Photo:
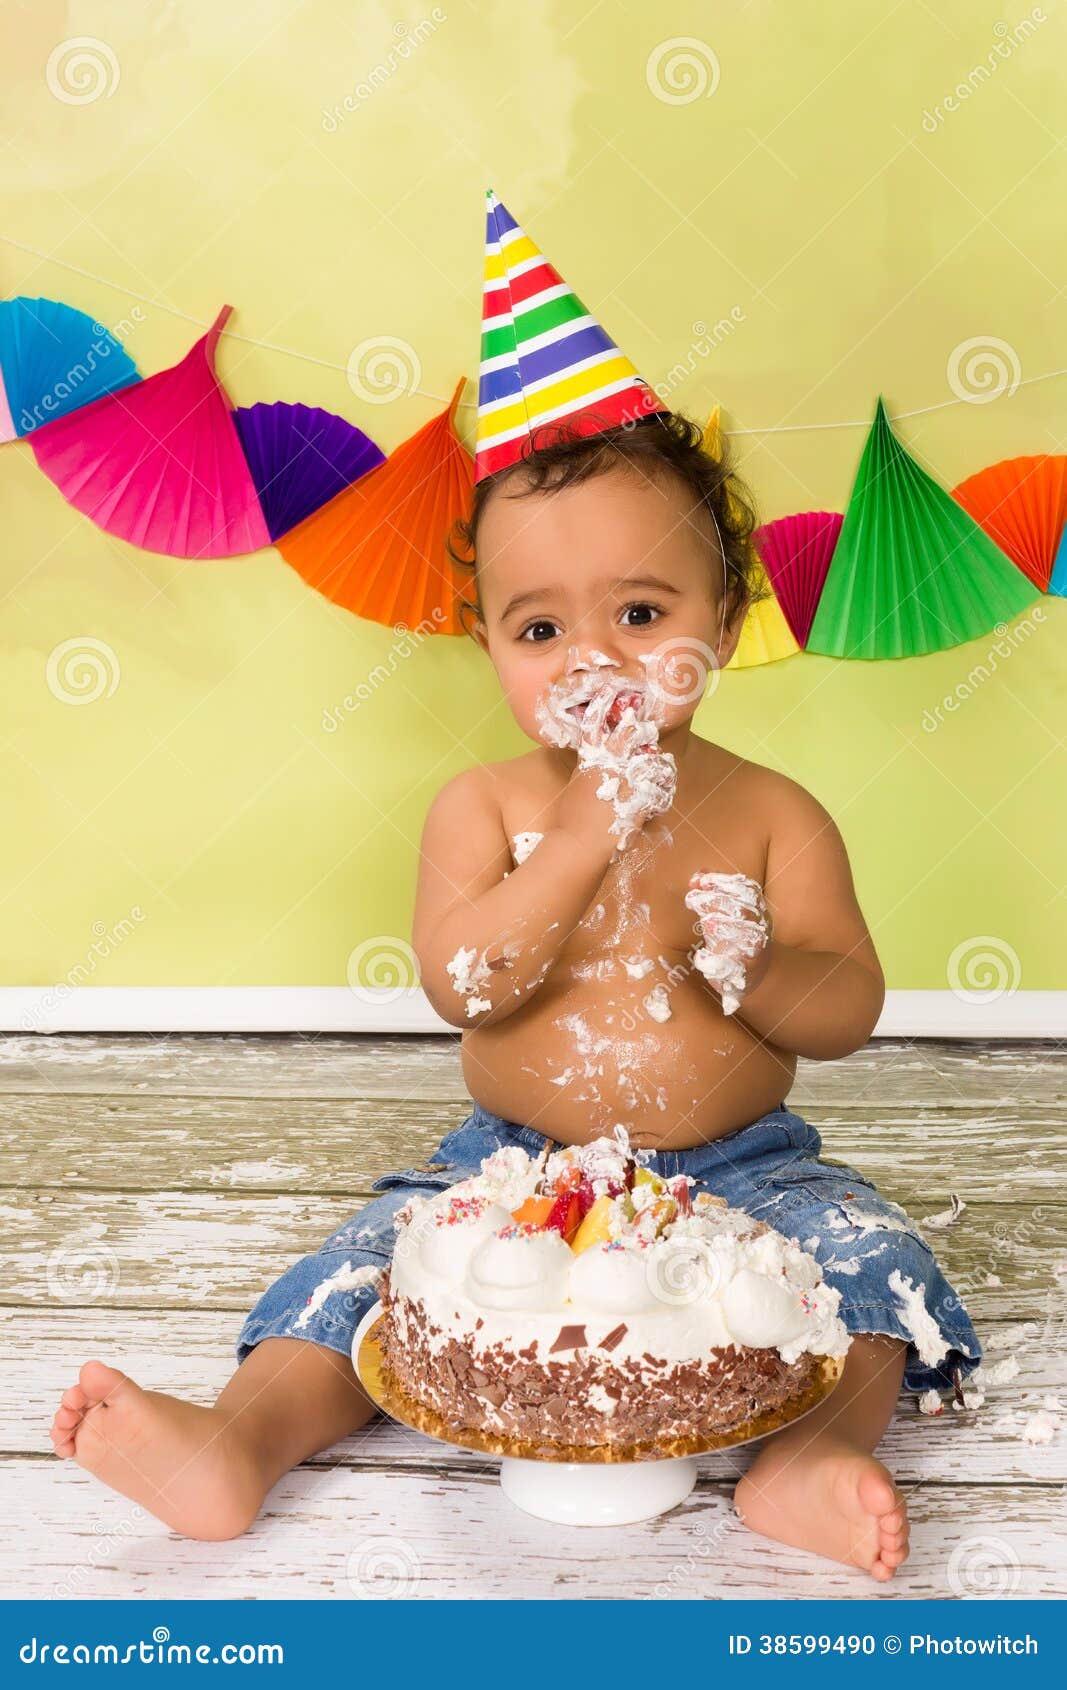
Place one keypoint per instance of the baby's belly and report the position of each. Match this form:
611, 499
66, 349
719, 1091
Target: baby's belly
585, 1053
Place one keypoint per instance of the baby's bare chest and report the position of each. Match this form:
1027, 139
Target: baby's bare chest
641, 898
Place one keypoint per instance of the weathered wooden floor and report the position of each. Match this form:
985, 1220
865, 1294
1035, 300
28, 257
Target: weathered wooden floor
153, 1185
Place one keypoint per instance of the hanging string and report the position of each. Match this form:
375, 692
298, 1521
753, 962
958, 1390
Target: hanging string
471, 404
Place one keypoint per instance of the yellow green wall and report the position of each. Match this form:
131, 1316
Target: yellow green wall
856, 245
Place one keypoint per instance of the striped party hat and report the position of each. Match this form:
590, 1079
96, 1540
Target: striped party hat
544, 358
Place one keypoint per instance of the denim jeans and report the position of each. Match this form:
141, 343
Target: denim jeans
770, 1169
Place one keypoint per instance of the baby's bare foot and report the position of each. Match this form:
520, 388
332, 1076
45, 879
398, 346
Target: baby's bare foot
831, 1498
183, 1463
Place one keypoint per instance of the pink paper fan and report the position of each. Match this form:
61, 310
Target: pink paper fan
7, 426
796, 551
160, 464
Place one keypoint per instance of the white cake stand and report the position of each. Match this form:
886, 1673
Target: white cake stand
599, 1486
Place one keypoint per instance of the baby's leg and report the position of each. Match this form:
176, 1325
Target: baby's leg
206, 1471
817, 1484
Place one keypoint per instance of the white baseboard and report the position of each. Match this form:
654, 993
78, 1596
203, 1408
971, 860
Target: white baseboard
336, 1009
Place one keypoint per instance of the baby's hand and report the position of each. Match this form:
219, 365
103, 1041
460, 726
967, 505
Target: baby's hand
620, 738
735, 926
609, 720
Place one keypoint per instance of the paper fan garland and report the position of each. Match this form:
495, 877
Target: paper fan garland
54, 360
378, 548
1021, 504
796, 553
765, 633
161, 464
7, 426
300, 458
712, 441
912, 572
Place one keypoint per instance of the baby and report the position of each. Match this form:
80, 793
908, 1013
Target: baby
631, 925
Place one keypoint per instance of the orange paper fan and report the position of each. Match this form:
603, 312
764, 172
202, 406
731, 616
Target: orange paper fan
378, 548
1022, 505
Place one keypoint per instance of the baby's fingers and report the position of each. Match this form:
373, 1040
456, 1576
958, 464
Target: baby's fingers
724, 934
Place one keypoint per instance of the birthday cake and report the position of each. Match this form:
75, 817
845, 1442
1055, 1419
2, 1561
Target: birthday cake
578, 1298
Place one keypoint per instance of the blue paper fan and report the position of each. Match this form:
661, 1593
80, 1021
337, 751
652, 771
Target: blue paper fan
301, 457
55, 360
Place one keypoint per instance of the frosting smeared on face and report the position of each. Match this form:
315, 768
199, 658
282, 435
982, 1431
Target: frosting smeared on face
610, 720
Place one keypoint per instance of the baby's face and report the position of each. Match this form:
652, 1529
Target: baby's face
601, 576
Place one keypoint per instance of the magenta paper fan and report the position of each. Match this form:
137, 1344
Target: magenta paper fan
796, 551
160, 464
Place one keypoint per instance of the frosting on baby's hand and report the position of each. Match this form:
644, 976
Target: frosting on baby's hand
735, 925
609, 720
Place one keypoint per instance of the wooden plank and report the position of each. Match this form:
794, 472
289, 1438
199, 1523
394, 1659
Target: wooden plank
964, 1074
191, 1355
397, 1532
316, 1145
173, 1249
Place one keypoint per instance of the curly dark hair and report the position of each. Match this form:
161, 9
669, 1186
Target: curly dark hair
665, 442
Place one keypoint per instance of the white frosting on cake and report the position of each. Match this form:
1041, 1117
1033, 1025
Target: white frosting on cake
705, 1281
610, 1279
515, 1269
449, 1232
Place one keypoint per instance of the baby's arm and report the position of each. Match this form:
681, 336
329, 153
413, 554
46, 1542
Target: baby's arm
485, 943
816, 986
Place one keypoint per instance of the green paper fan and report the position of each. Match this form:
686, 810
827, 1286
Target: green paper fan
911, 571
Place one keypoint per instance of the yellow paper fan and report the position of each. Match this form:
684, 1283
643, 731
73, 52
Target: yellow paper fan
765, 633
710, 441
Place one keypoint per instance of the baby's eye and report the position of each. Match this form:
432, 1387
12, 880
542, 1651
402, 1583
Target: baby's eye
543, 623
642, 606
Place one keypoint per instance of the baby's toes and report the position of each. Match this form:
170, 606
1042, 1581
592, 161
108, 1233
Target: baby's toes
893, 1544
895, 1523
64, 1426
68, 1417
75, 1397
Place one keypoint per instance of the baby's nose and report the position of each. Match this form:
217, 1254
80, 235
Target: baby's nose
581, 659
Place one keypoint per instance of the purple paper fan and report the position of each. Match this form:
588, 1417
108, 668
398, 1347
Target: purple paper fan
299, 458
